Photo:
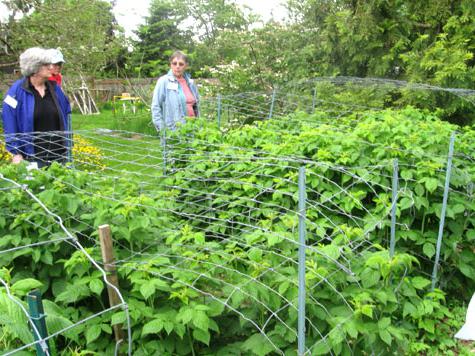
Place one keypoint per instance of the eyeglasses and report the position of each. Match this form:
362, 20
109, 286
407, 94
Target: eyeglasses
179, 64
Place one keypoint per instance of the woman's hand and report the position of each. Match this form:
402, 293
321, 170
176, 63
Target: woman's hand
17, 159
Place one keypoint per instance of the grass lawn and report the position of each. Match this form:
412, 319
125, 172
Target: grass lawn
126, 152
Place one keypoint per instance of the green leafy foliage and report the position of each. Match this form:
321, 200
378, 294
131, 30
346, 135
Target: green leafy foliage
197, 281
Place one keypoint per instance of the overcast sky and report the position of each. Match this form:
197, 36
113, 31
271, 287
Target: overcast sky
130, 14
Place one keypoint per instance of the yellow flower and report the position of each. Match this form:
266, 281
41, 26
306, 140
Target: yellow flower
86, 155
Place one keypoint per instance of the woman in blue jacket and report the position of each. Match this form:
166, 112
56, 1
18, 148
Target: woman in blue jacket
36, 113
175, 96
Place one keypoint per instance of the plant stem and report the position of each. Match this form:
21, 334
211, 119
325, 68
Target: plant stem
190, 341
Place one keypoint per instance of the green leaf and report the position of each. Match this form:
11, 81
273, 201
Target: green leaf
255, 254
370, 277
384, 323
106, 328
147, 289
408, 309
321, 348
428, 249
431, 184
185, 315
202, 336
406, 174
470, 234
385, 336
420, 282
152, 327
467, 270
93, 333
161, 285
367, 310
96, 286
24, 286
351, 329
200, 320
72, 204
405, 203
118, 318
259, 345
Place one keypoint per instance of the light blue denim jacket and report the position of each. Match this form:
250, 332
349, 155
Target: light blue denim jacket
169, 102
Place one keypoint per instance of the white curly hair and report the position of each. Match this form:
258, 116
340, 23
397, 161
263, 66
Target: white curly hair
32, 59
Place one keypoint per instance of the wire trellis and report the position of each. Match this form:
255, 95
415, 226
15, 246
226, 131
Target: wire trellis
212, 221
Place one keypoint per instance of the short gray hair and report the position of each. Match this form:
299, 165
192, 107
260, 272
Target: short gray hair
179, 55
32, 59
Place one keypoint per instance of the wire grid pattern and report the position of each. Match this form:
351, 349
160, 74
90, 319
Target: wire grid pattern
192, 188
242, 226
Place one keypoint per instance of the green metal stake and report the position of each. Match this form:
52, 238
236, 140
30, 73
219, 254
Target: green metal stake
37, 315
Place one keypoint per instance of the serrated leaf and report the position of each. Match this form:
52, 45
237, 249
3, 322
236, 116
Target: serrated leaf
283, 287
202, 336
106, 328
200, 320
185, 315
406, 174
408, 309
420, 282
93, 333
258, 344
385, 336
431, 184
118, 318
255, 254
367, 310
147, 289
470, 234
24, 286
168, 326
351, 329
370, 277
428, 249
152, 327
321, 348
96, 286
384, 323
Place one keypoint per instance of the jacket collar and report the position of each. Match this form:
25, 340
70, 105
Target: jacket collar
26, 85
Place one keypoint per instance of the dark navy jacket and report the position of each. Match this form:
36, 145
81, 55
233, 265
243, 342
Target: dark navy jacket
18, 121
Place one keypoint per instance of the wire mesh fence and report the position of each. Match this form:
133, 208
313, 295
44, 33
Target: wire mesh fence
208, 225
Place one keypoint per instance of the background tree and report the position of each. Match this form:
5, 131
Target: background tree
158, 38
85, 30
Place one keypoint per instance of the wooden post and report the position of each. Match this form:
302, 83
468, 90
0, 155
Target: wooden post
109, 266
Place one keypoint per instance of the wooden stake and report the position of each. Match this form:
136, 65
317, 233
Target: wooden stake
109, 266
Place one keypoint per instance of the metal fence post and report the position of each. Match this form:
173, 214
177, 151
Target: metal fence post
163, 140
314, 99
37, 315
219, 111
272, 104
392, 243
302, 238
444, 207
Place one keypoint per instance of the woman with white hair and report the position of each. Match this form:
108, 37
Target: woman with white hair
36, 112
